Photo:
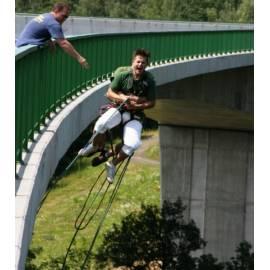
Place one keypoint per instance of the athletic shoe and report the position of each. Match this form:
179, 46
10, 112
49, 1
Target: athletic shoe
110, 168
88, 149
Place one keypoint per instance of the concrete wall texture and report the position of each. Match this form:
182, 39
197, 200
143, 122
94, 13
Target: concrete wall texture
231, 88
212, 171
222, 99
66, 126
210, 168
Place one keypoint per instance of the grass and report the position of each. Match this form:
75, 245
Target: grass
54, 226
153, 152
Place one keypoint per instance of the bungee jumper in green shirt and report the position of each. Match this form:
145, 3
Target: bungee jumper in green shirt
133, 88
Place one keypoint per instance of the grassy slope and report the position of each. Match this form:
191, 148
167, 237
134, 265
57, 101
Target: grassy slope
54, 225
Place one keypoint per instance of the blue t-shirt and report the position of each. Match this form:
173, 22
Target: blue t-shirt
39, 30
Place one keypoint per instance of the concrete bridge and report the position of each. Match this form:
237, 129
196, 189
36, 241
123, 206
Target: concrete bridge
205, 114
206, 143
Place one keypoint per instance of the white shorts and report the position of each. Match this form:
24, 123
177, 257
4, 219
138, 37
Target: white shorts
132, 129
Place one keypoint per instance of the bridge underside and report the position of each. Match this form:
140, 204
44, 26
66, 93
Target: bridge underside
218, 100
206, 143
179, 112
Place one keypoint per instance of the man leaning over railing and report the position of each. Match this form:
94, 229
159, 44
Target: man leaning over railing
42, 28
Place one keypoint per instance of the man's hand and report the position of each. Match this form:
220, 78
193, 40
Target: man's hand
69, 49
137, 99
139, 103
130, 106
52, 46
82, 61
135, 103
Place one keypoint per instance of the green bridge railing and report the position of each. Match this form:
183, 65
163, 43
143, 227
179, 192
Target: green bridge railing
46, 80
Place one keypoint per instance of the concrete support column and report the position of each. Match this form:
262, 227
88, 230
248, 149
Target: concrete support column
212, 171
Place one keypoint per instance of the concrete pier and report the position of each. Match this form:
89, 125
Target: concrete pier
206, 143
212, 171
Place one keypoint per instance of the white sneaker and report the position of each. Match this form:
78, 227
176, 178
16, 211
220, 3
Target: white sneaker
88, 149
110, 168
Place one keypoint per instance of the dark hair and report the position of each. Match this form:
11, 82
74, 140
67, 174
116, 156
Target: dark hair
60, 6
142, 52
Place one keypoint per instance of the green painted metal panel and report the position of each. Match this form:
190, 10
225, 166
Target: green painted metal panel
45, 79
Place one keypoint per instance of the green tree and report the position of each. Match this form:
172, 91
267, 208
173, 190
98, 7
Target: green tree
91, 8
21, 5
213, 10
245, 13
229, 11
208, 262
123, 8
153, 234
184, 10
151, 9
244, 259
40, 6
172, 9
193, 10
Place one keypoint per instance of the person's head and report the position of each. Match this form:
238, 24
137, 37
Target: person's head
61, 11
140, 60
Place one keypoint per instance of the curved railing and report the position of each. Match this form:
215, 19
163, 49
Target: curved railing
46, 80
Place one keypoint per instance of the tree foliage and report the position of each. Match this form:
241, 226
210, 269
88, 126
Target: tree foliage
90, 8
164, 235
244, 259
152, 234
147, 236
208, 262
183, 10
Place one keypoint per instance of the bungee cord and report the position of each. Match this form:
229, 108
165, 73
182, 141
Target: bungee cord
116, 188
78, 224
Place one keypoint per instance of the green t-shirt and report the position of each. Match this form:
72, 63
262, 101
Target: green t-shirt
144, 87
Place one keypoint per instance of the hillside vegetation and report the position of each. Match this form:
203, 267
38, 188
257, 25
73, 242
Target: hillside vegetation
179, 10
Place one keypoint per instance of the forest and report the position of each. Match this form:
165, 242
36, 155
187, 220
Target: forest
237, 11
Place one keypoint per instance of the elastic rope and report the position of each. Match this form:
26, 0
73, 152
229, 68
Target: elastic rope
88, 196
119, 181
97, 208
78, 228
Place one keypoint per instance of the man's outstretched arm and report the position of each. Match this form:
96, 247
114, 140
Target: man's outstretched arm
69, 49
